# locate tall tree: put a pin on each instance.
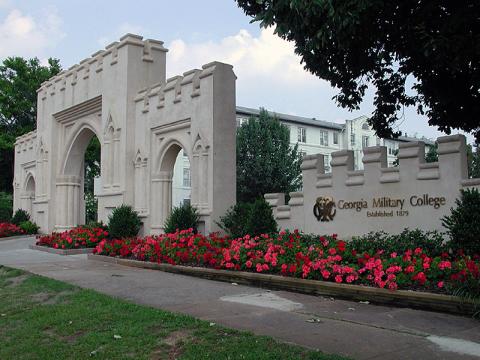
(19, 81)
(266, 163)
(433, 44)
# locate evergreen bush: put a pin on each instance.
(124, 222)
(29, 227)
(182, 217)
(5, 207)
(249, 218)
(20, 216)
(463, 223)
(430, 241)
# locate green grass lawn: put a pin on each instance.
(42, 318)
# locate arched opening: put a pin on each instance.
(92, 182)
(79, 185)
(182, 180)
(29, 195)
(175, 174)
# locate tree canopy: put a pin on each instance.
(432, 45)
(266, 163)
(19, 81)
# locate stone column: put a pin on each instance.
(115, 159)
(68, 201)
(195, 178)
(161, 198)
(105, 164)
(203, 177)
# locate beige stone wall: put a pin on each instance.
(121, 96)
(353, 202)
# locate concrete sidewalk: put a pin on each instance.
(361, 331)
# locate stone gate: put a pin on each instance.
(121, 96)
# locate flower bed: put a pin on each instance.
(77, 238)
(298, 255)
(8, 229)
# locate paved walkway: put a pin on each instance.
(361, 331)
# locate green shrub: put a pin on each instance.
(182, 218)
(29, 227)
(249, 218)
(20, 216)
(124, 222)
(463, 223)
(91, 207)
(430, 241)
(6, 206)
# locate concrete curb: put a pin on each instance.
(26, 237)
(62, 251)
(401, 298)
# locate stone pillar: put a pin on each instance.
(115, 159)
(452, 156)
(195, 178)
(140, 184)
(68, 201)
(106, 164)
(342, 163)
(161, 198)
(312, 166)
(374, 160)
(411, 156)
(203, 177)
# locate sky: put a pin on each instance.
(269, 74)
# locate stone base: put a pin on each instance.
(401, 298)
(62, 251)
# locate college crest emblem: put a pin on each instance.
(324, 208)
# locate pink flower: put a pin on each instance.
(259, 267)
(248, 264)
(442, 265)
(338, 278)
(392, 286)
(393, 255)
(440, 284)
(325, 274)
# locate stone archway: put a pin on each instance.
(28, 196)
(70, 183)
(163, 180)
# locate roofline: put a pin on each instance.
(291, 118)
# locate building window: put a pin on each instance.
(186, 177)
(241, 121)
(302, 134)
(324, 137)
(335, 138)
(186, 202)
(352, 139)
(391, 149)
(365, 141)
(365, 126)
(326, 163)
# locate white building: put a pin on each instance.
(313, 137)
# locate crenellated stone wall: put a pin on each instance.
(353, 202)
(121, 96)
